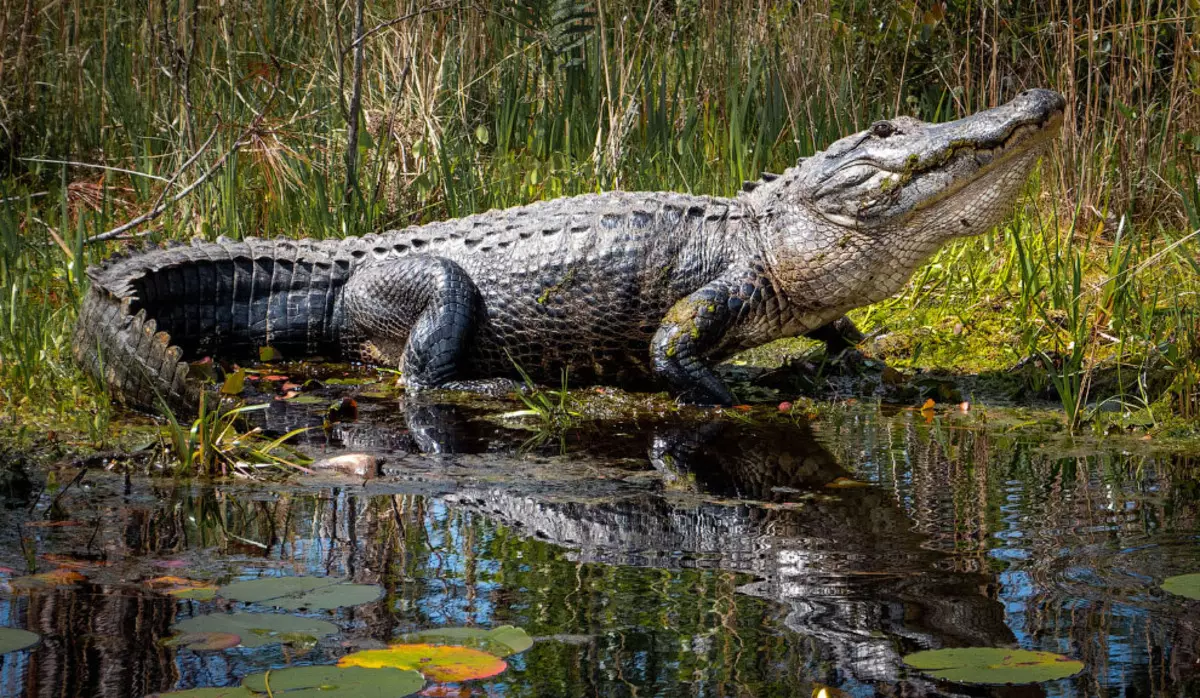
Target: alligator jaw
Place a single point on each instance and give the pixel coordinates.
(879, 179)
(1021, 141)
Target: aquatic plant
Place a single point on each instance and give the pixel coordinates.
(214, 445)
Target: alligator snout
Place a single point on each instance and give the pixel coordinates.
(1045, 102)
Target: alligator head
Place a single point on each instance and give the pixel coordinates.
(887, 197)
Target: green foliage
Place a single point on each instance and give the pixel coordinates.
(213, 444)
(499, 103)
(552, 408)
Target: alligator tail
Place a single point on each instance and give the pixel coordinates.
(146, 317)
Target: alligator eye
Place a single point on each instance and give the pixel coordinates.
(882, 129)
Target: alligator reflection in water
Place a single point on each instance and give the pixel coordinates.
(756, 499)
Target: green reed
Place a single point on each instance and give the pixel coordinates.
(470, 106)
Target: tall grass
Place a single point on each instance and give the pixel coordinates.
(470, 105)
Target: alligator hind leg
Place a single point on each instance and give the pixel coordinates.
(416, 312)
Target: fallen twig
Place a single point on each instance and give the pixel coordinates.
(159, 206)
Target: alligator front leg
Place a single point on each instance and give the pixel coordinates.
(692, 329)
(417, 312)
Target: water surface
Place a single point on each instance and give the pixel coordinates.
(718, 558)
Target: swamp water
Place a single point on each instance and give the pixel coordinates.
(715, 558)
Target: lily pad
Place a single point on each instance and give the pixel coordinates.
(14, 639)
(1186, 585)
(443, 664)
(502, 641)
(182, 588)
(993, 665)
(205, 642)
(335, 682)
(226, 692)
(843, 483)
(260, 629)
(48, 580)
(294, 593)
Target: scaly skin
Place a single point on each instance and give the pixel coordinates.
(625, 288)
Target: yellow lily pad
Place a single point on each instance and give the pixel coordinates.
(439, 663)
(183, 588)
(48, 580)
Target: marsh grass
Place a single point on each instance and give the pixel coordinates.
(215, 444)
(471, 105)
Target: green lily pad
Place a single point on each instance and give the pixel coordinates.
(205, 642)
(1186, 585)
(260, 629)
(294, 593)
(227, 692)
(335, 682)
(993, 665)
(443, 664)
(13, 639)
(502, 641)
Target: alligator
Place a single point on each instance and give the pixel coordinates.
(632, 289)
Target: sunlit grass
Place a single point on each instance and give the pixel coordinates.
(495, 104)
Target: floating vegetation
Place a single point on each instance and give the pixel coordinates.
(502, 641)
(335, 682)
(16, 639)
(47, 580)
(260, 629)
(846, 483)
(182, 588)
(442, 663)
(993, 665)
(226, 692)
(296, 593)
(205, 642)
(1185, 585)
